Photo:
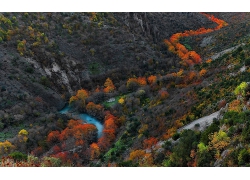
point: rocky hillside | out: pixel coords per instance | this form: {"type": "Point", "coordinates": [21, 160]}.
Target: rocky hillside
{"type": "Point", "coordinates": [51, 59]}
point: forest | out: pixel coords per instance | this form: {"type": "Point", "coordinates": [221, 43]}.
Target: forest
{"type": "Point", "coordinates": [143, 76]}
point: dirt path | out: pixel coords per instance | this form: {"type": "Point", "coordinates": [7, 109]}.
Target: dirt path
{"type": "Point", "coordinates": [226, 51]}
{"type": "Point", "coordinates": [202, 122]}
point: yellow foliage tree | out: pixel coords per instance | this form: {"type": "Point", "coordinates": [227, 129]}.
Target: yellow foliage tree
{"type": "Point", "coordinates": [6, 147]}
{"type": "Point", "coordinates": [136, 155]}
{"type": "Point", "coordinates": [218, 140]}
{"type": "Point", "coordinates": [23, 135]}
{"type": "Point", "coordinates": [72, 99]}
{"type": "Point", "coordinates": [121, 101]}
{"type": "Point", "coordinates": [81, 95]}
{"type": "Point", "coordinates": [21, 47]}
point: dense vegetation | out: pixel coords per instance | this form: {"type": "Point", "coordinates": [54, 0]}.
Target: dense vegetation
{"type": "Point", "coordinates": [159, 82]}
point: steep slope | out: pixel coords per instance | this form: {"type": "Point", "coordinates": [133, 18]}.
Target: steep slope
{"type": "Point", "coordinates": [88, 58]}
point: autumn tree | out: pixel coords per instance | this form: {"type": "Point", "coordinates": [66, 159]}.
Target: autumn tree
{"type": "Point", "coordinates": [148, 143]}
{"type": "Point", "coordinates": [202, 72]}
{"type": "Point", "coordinates": [6, 147]}
{"type": "Point", "coordinates": [136, 155]}
{"type": "Point", "coordinates": [94, 109]}
{"type": "Point", "coordinates": [95, 151]}
{"type": "Point", "coordinates": [80, 97]}
{"type": "Point", "coordinates": [191, 57]}
{"type": "Point", "coordinates": [163, 94]}
{"type": "Point", "coordinates": [109, 86]}
{"type": "Point", "coordinates": [53, 136]}
{"type": "Point", "coordinates": [23, 135]}
{"type": "Point", "coordinates": [134, 83]}
{"type": "Point", "coordinates": [121, 100]}
{"type": "Point", "coordinates": [21, 47]}
{"type": "Point", "coordinates": [56, 149]}
{"type": "Point", "coordinates": [103, 144]}
{"type": "Point", "coordinates": [141, 158]}
{"type": "Point", "coordinates": [219, 140]}
{"type": "Point", "coordinates": [77, 134]}
{"type": "Point", "coordinates": [142, 81]}
{"type": "Point", "coordinates": [152, 79]}
{"type": "Point", "coordinates": [240, 90]}
{"type": "Point", "coordinates": [109, 131]}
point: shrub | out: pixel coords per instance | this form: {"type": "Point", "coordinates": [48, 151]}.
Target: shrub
{"type": "Point", "coordinates": [247, 62]}
{"type": "Point", "coordinates": [18, 156]}
{"type": "Point", "coordinates": [176, 136]}
{"type": "Point", "coordinates": [29, 70]}
{"type": "Point", "coordinates": [197, 125]}
{"type": "Point", "coordinates": [44, 81]}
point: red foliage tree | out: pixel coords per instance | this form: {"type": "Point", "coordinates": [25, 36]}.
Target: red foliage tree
{"type": "Point", "coordinates": [37, 151]}
{"type": "Point", "coordinates": [148, 143]}
{"type": "Point", "coordinates": [56, 149]}
{"type": "Point", "coordinates": [53, 136]}
{"type": "Point", "coordinates": [62, 155]}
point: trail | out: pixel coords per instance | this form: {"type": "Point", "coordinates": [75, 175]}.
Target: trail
{"type": "Point", "coordinates": [215, 56]}
{"type": "Point", "coordinates": [203, 122]}
{"type": "Point", "coordinates": [191, 57]}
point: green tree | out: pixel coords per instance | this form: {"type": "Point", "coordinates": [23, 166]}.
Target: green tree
{"type": "Point", "coordinates": [181, 152]}
{"type": "Point", "coordinates": [204, 156]}
{"type": "Point", "coordinates": [18, 156]}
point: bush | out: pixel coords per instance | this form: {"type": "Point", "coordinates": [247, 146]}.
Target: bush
{"type": "Point", "coordinates": [247, 62]}
{"type": "Point", "coordinates": [18, 156]}
{"type": "Point", "coordinates": [128, 164]}
{"type": "Point", "coordinates": [176, 136]}
{"type": "Point", "coordinates": [197, 125]}
{"type": "Point", "coordinates": [29, 70]}
{"type": "Point", "coordinates": [44, 81]}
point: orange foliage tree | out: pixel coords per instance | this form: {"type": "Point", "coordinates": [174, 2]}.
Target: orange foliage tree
{"type": "Point", "coordinates": [81, 133]}
{"type": "Point", "coordinates": [140, 81]}
{"type": "Point", "coordinates": [53, 136]}
{"type": "Point", "coordinates": [109, 86]}
{"type": "Point", "coordinates": [80, 96]}
{"type": "Point", "coordinates": [191, 57]}
{"type": "Point", "coordinates": [109, 131]}
{"type": "Point", "coordinates": [93, 108]}
{"type": "Point", "coordinates": [152, 79]}
{"type": "Point", "coordinates": [202, 72]}
{"type": "Point", "coordinates": [141, 157]}
{"type": "Point", "coordinates": [95, 150]}
{"type": "Point", "coordinates": [136, 155]}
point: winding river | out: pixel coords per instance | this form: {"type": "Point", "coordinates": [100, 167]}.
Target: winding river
{"type": "Point", "coordinates": [86, 118]}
